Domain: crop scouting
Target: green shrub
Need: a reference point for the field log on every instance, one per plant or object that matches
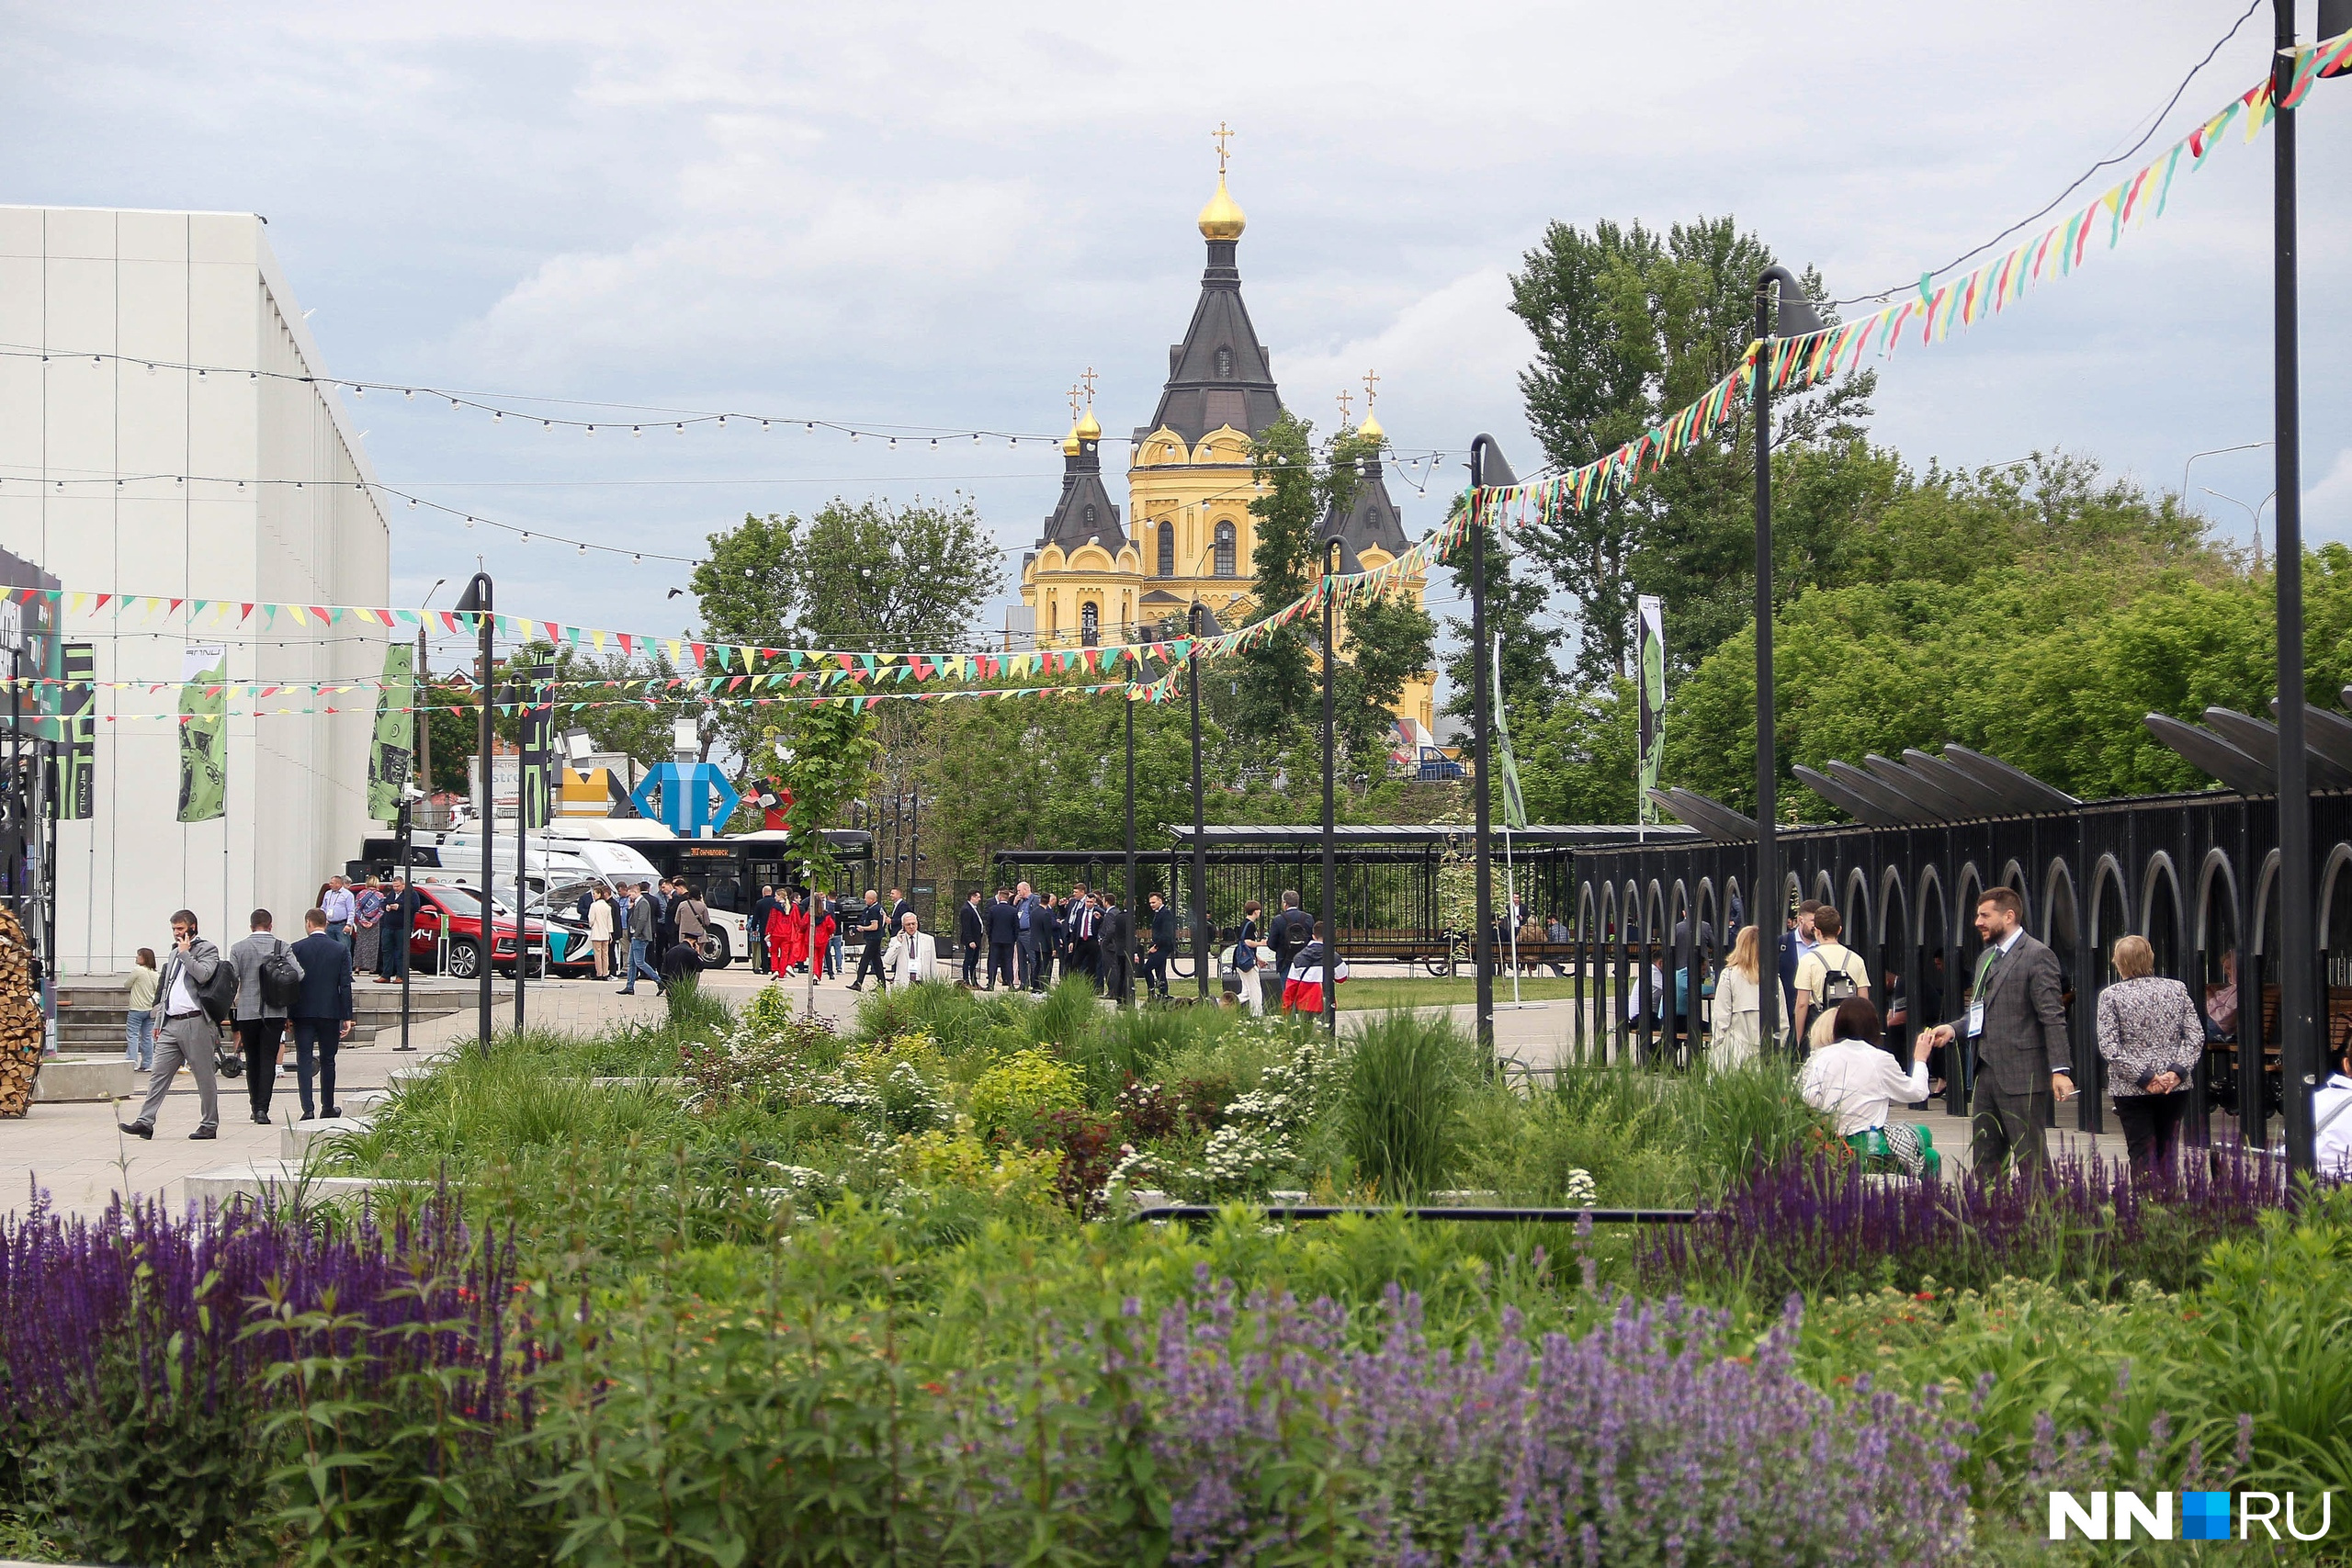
(1013, 1099)
(1066, 1015)
(1400, 1111)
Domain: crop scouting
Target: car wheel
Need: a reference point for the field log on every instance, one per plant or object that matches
(716, 952)
(465, 958)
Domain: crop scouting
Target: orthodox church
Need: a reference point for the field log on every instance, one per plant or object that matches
(1190, 536)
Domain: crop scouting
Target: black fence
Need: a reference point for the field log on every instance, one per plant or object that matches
(2196, 874)
(1403, 892)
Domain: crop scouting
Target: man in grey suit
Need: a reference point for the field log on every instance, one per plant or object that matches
(2016, 1028)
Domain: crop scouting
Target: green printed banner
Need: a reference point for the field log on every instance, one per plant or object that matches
(392, 747)
(204, 707)
(78, 757)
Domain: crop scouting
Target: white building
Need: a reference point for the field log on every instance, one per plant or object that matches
(123, 470)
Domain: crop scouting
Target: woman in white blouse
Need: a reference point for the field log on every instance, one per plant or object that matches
(1855, 1083)
(1739, 1002)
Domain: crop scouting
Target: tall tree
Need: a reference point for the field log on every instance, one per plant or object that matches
(1277, 687)
(1631, 326)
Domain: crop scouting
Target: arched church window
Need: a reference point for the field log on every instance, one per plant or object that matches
(1225, 562)
(1090, 515)
(1168, 549)
(1224, 364)
(1090, 624)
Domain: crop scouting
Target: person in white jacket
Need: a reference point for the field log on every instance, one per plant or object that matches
(1857, 1084)
(2332, 1115)
(1739, 1004)
(912, 955)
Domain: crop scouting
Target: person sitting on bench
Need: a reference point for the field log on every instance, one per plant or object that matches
(1855, 1083)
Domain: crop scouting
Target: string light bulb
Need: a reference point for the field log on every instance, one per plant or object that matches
(356, 390)
(681, 429)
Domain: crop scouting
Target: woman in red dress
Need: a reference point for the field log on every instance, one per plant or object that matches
(781, 954)
(820, 940)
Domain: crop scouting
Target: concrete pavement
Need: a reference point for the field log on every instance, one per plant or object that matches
(75, 1152)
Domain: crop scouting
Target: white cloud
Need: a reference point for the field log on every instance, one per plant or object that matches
(2327, 505)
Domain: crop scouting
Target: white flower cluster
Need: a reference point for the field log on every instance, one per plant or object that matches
(1579, 1190)
(1255, 1144)
(1133, 1168)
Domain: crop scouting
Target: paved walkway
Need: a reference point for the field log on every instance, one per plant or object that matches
(77, 1155)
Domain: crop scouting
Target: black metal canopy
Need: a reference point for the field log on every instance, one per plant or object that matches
(2203, 749)
(1960, 785)
(1710, 817)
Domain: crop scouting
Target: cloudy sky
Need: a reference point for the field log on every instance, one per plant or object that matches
(937, 216)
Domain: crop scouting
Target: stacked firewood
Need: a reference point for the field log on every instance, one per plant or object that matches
(22, 1027)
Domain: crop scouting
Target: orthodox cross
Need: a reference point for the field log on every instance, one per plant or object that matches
(1347, 413)
(1371, 381)
(1073, 402)
(1089, 379)
(1218, 136)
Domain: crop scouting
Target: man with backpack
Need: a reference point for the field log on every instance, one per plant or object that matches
(1827, 975)
(195, 992)
(269, 980)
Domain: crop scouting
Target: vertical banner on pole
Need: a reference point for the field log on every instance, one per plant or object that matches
(204, 761)
(1514, 803)
(536, 803)
(388, 763)
(1651, 666)
(77, 756)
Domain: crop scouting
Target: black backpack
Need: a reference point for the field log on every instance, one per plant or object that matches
(281, 978)
(1837, 984)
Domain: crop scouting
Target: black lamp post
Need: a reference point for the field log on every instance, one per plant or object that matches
(1133, 903)
(2299, 1037)
(1331, 550)
(1487, 468)
(1202, 941)
(476, 600)
(1796, 318)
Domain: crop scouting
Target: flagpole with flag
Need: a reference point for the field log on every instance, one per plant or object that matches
(1514, 811)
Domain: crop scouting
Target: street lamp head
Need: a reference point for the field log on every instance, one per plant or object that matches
(1486, 465)
(476, 594)
(1797, 315)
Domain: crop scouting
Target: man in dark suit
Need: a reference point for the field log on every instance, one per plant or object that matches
(1082, 930)
(1002, 921)
(758, 926)
(972, 932)
(321, 1016)
(900, 908)
(2015, 1029)
(1114, 933)
(1162, 948)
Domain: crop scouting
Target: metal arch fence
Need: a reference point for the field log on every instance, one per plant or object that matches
(1391, 892)
(2197, 875)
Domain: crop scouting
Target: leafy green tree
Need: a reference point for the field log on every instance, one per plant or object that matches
(1631, 326)
(869, 576)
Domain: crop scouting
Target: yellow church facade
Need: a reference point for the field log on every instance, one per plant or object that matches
(1095, 577)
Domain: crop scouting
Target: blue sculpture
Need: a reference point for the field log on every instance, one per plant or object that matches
(696, 799)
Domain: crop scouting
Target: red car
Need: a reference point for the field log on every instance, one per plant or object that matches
(447, 934)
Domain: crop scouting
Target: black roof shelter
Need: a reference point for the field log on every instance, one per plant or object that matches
(2197, 873)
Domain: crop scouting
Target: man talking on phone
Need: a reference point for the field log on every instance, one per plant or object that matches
(2015, 1030)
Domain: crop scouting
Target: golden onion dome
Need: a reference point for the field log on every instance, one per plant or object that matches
(1070, 443)
(1087, 429)
(1222, 218)
(1371, 427)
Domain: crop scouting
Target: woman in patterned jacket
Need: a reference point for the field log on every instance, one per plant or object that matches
(2151, 1037)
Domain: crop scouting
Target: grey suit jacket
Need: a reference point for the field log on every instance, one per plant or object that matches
(2025, 1020)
